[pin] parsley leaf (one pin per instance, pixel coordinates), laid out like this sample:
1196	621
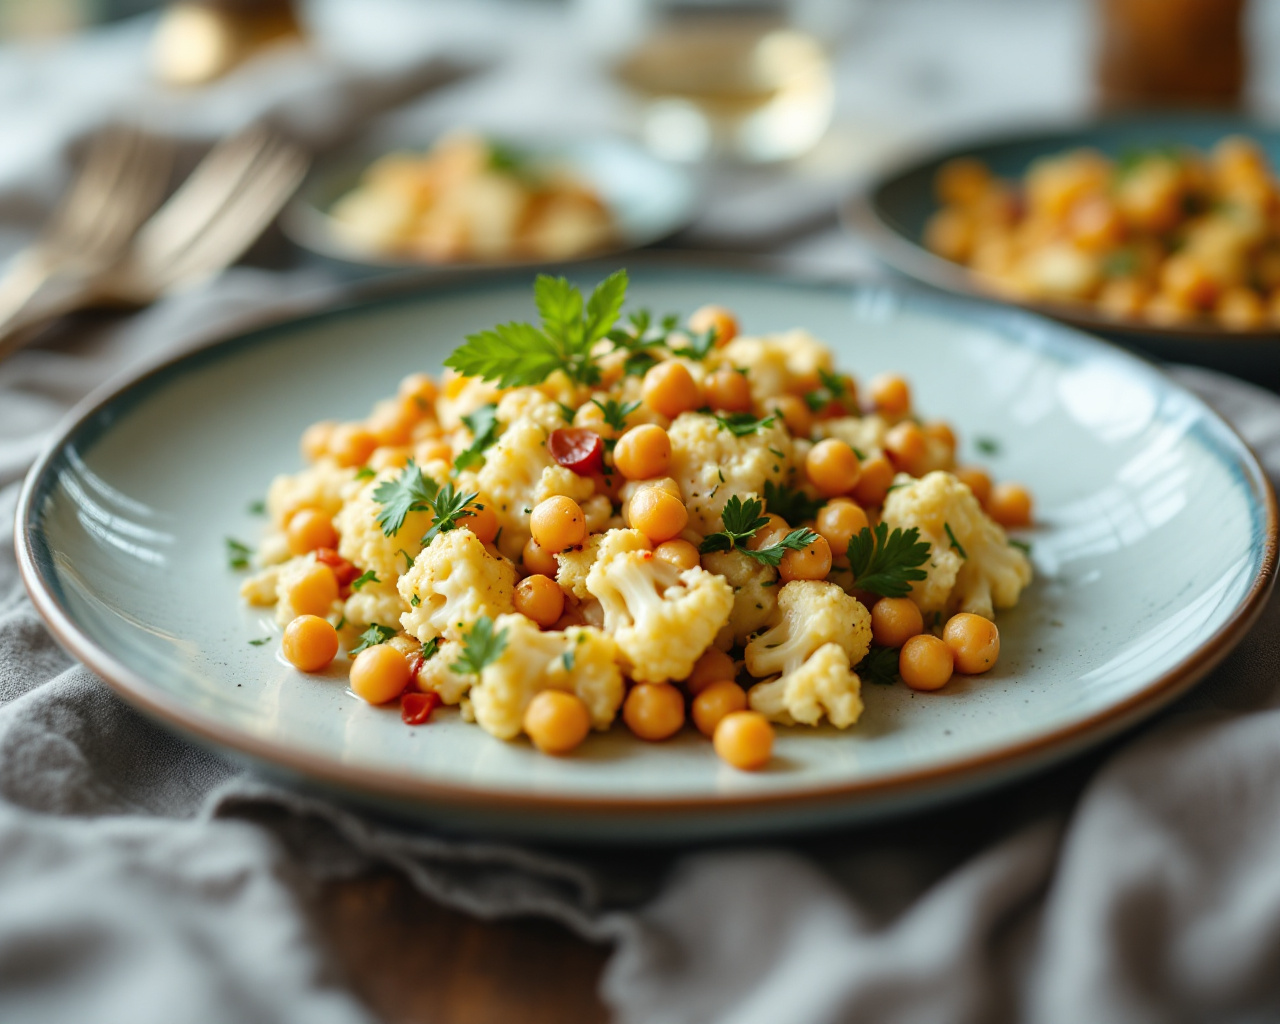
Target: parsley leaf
483	424
258	508
796	540
449	506
481	646
886	563
1022	545
408	562
366	473
430	647
238	554
791	503
411	491
742	520
373	636
259	643
698	346
615	412
365	577
740	424
880	666
987	445
955	543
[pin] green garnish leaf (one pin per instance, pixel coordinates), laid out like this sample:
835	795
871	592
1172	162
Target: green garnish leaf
887	563
368	576
880	666
258	508
408	562
791	503
638	364
796	540
987	445
373	636
483	424
740	424
411	491
449	506
259	643
366	473
481	645
742	520
238	554
1022	545
697	346
615	413
430	647
414	601
955	544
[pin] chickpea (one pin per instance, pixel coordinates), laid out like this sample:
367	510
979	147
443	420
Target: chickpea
715	318
556	721
962	182
925	662
771	533
379	674
974	642
744	739
728	390
308	529
540	598
875	481
940	432
977	480
1010	505
1241	309
809	563
557	523
679	553
654	711
389	458
1184	279
314	592
419	389
1123	298
310	643
713	667
643	452
832	467
658	514
714	702
351	444
891	395
794	412
906	447
895	620
591	416
391	423
839	520
669	389
432	451
537	559
483	522
315	440
951	234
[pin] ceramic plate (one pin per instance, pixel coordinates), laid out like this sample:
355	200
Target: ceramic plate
890	213
648	198
1154	553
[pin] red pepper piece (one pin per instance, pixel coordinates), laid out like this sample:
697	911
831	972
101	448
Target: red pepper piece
578	449
416	708
344	572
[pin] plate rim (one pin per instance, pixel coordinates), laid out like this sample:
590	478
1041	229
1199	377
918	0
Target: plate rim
381	784
861	218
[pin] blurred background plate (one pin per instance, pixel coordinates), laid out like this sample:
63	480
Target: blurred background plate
890	214
648	198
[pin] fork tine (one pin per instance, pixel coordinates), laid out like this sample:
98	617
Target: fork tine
108	150
133	195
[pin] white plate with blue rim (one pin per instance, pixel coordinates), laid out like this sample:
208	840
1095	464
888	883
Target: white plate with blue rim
121	543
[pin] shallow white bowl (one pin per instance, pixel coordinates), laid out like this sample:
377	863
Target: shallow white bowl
1154	551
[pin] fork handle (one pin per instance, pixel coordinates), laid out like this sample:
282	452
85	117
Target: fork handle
27	303
19	286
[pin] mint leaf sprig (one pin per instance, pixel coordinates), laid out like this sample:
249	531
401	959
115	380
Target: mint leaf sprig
887	563
742	520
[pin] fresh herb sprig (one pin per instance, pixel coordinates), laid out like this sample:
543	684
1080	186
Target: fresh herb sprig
640	337
238	554
368	576
615	413
887	563
373	636
483	424
742	520
741	424
791	503
955	544
880	666
481	645
411	491
449	506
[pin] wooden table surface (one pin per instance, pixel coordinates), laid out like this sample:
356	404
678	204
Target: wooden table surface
414	962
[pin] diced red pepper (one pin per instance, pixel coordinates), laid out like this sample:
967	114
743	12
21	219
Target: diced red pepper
416	708
415	666
578	449
344	572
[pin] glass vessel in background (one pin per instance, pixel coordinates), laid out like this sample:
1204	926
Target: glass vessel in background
729	81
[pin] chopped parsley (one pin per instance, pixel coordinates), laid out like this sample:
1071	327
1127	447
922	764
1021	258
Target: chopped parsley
430	647
987	445
697	346
411	491
408	562
483	424
742	520
887	563
414	601
615	413
259	643
740	424
258	508
373	636
449	506
880	666
366	473
1022	545
238	554
789	502
365	577
481	646
955	544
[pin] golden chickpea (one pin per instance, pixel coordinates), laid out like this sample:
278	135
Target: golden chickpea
1184	279
906	447
715	318
314	592
809	563
1123	298
714	702
657	513
419	389
537	559
679	553
839	520
941	433
729	391
951	234
556	721
832	467
483	522
379	674
389	458
540	598
391	423
1010	505
925	662
351	444
310	643
895	620
315	440
977	480
771	533
643	452
713	667
794	412
557	523
874	482
308	529
669	389
654	711
433	450
744	739
1241	309
974	642
891	395
962	182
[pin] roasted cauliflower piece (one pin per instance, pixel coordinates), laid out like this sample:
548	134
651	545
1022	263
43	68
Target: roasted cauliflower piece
437	674
755	590
454	581
575	565
823	685
989	574
776	362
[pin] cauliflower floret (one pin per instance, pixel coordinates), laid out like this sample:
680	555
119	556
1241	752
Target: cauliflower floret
777	361
287	577
810	613
558	480
662	618
260	588
991	574
711	464
580	660
437	674
824	684
864	433
530	403
455	581
374	602
322	486
361	539
512	472
755	590
576	565
460	396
